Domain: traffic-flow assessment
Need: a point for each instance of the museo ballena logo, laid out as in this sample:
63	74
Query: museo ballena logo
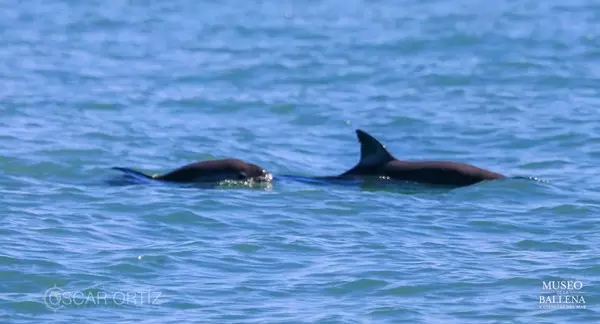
562	294
56	298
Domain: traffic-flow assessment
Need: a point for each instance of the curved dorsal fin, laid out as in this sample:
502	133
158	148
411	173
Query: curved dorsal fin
372	152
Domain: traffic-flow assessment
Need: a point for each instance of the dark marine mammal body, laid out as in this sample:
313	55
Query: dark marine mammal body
208	171
376	161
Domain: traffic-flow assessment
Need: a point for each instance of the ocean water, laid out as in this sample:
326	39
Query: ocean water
510	86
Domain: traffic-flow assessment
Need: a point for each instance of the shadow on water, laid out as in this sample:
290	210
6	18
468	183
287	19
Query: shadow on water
363	184
373	184
126	180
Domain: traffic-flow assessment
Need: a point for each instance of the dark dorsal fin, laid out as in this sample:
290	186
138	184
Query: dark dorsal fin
372	152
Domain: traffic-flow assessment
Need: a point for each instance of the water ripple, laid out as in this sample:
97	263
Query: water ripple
87	86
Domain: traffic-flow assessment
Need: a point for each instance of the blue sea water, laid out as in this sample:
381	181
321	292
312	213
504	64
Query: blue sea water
511	86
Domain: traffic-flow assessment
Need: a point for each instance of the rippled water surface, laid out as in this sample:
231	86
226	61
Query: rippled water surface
510	86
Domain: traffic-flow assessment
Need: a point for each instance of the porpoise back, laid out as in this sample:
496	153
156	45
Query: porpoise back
209	171
375	160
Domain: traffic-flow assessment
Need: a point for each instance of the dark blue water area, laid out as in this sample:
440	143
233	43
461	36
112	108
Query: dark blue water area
509	86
